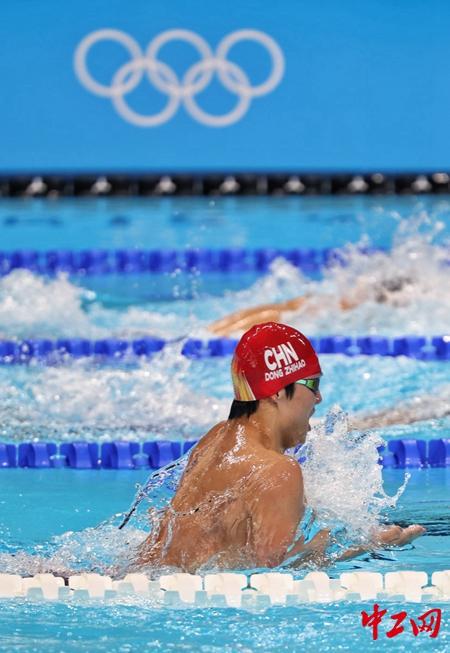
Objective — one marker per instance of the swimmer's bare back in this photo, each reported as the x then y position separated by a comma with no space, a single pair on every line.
238,505
247,317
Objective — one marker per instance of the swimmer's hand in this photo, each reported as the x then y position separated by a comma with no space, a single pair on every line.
391,535
317,544
394,535
313,551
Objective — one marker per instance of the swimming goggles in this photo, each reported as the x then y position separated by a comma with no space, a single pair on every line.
311,384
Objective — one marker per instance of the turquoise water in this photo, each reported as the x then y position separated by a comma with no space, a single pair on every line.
136,402
138,627
38,507
64,516
209,222
414,231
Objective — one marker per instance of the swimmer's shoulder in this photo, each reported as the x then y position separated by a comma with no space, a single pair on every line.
285,469
286,466
280,479
215,432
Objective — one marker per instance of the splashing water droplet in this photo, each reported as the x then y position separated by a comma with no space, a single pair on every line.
343,479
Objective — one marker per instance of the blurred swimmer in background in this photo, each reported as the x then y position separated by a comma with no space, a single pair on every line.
390,289
394,291
241,498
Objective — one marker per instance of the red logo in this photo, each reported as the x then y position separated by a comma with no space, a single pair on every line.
430,622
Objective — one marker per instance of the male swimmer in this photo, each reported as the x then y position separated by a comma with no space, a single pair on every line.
394,290
241,499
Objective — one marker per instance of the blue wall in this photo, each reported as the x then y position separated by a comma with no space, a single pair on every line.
365,86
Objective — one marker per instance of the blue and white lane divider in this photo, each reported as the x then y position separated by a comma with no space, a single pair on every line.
233,589
45,351
92,455
133,261
400,453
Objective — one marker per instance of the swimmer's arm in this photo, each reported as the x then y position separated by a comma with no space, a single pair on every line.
275,509
247,317
392,535
278,509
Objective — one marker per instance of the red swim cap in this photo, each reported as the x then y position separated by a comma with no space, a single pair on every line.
269,357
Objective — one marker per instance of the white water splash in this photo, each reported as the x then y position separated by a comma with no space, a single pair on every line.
343,480
32,306
102,549
153,396
400,291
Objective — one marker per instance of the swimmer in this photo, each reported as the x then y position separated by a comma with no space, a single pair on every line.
241,498
392,290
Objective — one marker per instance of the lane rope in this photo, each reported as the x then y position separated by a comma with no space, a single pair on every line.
235,590
128,455
133,261
46,351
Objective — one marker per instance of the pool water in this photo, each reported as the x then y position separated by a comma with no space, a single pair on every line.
136,401
40,506
415,233
70,517
44,512
125,628
171,223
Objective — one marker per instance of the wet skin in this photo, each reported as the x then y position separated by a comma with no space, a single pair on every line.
241,498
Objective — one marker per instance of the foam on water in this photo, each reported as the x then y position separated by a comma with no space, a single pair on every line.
31,305
343,480
161,396
174,397
34,306
400,291
103,549
343,487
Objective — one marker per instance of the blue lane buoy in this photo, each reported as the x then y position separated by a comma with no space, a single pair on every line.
400,453
264,257
439,452
161,452
326,345
81,455
408,452
230,260
442,347
118,454
111,347
134,261
221,346
59,261
24,259
36,454
188,444
147,346
8,455
194,348
74,347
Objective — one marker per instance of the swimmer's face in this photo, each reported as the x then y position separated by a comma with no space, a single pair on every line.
295,414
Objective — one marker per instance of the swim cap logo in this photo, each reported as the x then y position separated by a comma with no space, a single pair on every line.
281,361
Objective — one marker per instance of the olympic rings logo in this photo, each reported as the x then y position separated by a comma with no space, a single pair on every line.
165,80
